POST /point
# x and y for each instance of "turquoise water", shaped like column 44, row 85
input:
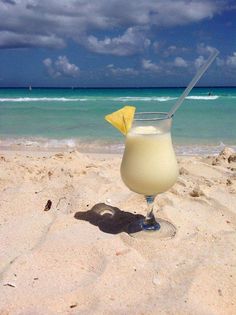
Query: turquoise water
column 75, row 117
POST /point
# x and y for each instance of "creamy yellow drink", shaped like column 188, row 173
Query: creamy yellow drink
column 149, row 164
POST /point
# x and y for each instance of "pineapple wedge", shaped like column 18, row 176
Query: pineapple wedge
column 122, row 119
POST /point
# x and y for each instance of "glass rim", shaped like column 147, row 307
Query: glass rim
column 162, row 116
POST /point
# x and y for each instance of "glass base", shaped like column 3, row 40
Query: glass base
column 160, row 229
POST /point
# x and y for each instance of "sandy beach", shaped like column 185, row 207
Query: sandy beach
column 62, row 251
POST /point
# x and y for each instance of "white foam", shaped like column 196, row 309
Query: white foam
column 202, row 150
column 209, row 97
column 100, row 146
column 145, row 98
column 145, row 130
column 164, row 98
column 38, row 142
column 57, row 143
column 42, row 99
column 117, row 99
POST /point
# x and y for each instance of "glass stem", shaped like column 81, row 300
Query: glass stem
column 150, row 219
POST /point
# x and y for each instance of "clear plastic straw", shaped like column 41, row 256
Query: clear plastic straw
column 198, row 75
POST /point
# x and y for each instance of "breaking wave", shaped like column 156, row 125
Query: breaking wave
column 209, row 97
column 42, row 99
column 144, row 98
column 116, row 99
column 98, row 146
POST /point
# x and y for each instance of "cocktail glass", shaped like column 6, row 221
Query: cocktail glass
column 149, row 167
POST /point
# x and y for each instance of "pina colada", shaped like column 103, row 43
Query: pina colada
column 149, row 165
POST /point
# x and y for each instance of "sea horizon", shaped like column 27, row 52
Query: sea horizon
column 115, row 87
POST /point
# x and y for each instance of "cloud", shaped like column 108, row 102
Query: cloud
column 227, row 62
column 205, row 49
column 61, row 67
column 132, row 41
column 164, row 13
column 150, row 66
column 43, row 23
column 12, row 2
column 173, row 50
column 180, row 62
column 156, row 46
column 13, row 40
column 50, row 68
column 180, row 12
column 122, row 71
column 199, row 61
column 231, row 60
column 220, row 62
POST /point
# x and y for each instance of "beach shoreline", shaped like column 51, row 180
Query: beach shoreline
column 99, row 147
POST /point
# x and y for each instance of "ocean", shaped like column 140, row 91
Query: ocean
column 74, row 118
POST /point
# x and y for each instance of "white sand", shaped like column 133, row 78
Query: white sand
column 52, row 263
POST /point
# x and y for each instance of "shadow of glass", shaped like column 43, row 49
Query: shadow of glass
column 108, row 219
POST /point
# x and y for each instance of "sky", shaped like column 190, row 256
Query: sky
column 116, row 43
